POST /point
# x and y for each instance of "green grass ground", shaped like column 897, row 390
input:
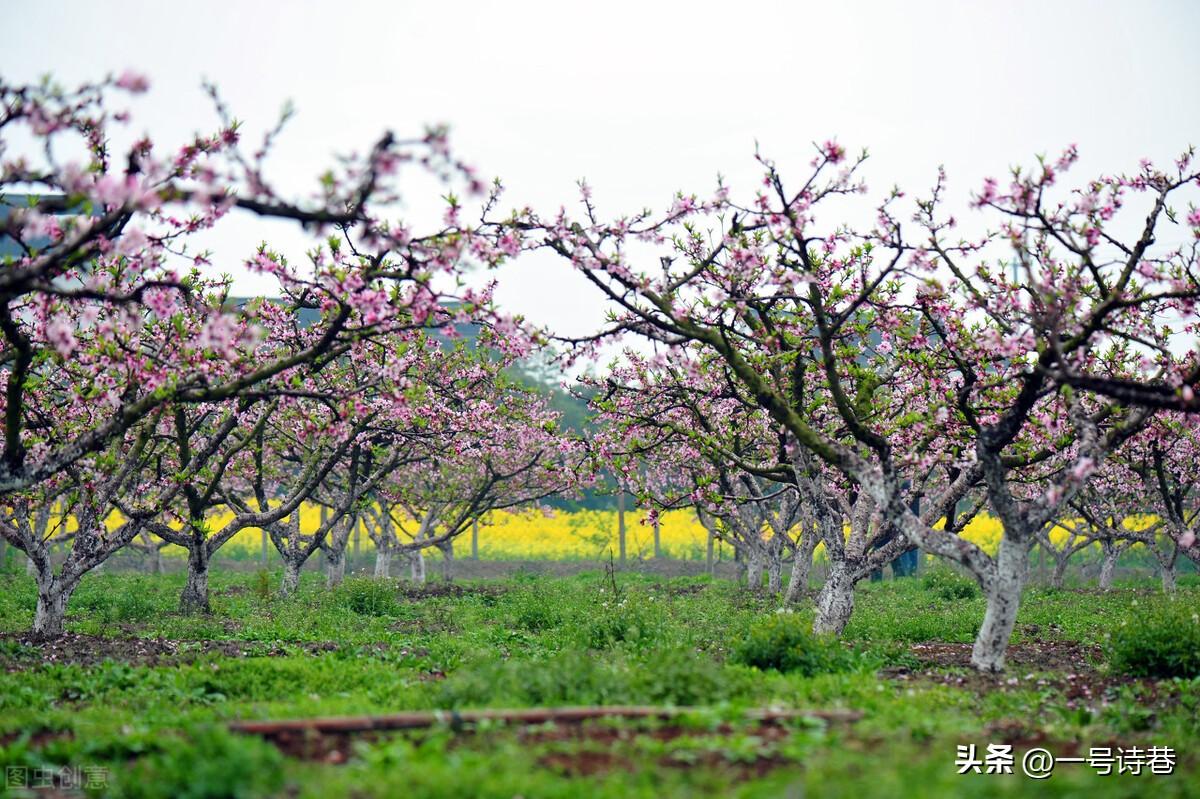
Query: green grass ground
column 145, row 694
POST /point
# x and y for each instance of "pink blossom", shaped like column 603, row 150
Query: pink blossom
column 133, row 82
column 833, row 151
column 60, row 333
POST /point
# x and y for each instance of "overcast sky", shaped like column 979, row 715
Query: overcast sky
column 644, row 98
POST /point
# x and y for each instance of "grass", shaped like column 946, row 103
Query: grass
column 154, row 714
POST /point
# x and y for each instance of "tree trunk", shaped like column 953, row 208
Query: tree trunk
column 335, row 570
column 30, row 569
column 1167, row 572
column 447, row 550
column 417, row 567
column 383, row 563
column 195, row 593
column 1003, row 602
column 835, row 601
column 1059, row 575
column 774, row 571
column 708, row 558
column 291, row 576
column 657, row 539
column 1108, row 565
column 754, row 569
column 801, row 568
column 53, row 595
column 474, row 539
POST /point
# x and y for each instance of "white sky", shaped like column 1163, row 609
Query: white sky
column 643, row 98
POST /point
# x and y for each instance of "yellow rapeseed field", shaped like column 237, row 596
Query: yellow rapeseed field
column 587, row 534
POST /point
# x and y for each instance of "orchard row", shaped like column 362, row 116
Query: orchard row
column 793, row 375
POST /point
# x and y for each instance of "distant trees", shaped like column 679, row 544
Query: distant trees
column 1010, row 366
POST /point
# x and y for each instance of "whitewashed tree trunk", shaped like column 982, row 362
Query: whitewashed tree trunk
column 383, row 563
column 801, row 569
column 53, row 595
column 835, row 601
column 291, row 576
column 417, row 567
column 1167, row 573
column 194, row 598
column 1108, row 564
column 335, row 568
column 774, row 556
column 1003, row 602
column 754, row 568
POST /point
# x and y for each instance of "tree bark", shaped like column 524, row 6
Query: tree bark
column 754, row 569
column 53, row 595
column 447, row 550
column 383, row 563
column 417, row 567
column 291, row 576
column 335, row 570
column 1059, row 575
column 156, row 563
column 194, row 598
column 835, row 601
column 1003, row 602
column 1167, row 573
column 801, row 569
column 774, row 571
column 1108, row 564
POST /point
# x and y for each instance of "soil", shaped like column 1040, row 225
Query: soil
column 1066, row 667
column 88, row 650
column 37, row 738
column 579, row 750
column 432, row 590
column 1036, row 655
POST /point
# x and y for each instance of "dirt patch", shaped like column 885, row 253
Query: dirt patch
column 1042, row 655
column 435, row 590
column 682, row 590
column 433, row 626
column 88, row 650
column 1066, row 667
column 573, row 749
column 584, row 763
column 37, row 738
